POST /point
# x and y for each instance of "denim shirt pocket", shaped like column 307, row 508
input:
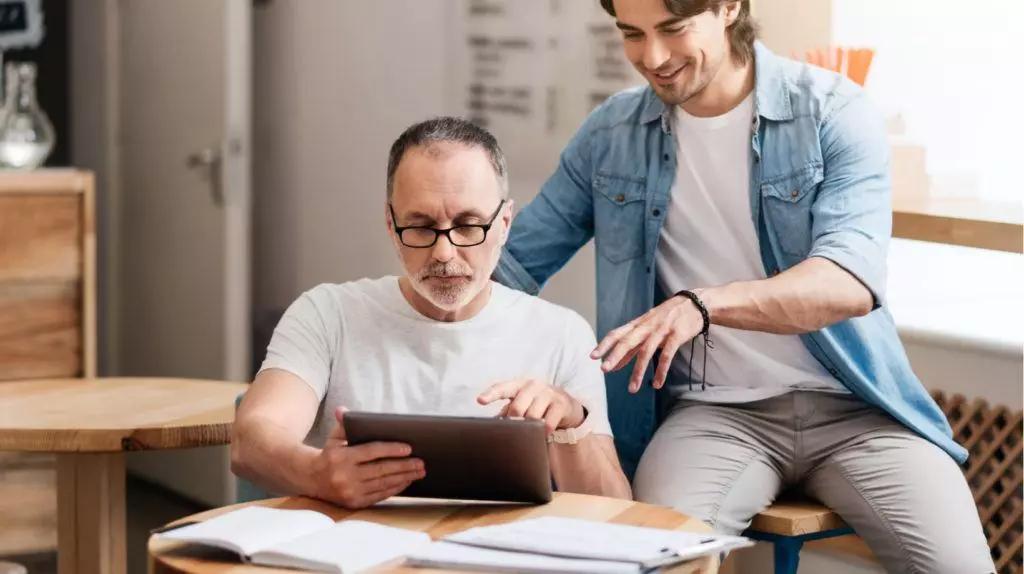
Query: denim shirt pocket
column 787, row 208
column 619, row 216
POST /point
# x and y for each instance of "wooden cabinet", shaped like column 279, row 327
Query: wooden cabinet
column 47, row 325
column 47, row 275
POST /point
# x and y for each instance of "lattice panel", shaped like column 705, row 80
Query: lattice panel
column 992, row 434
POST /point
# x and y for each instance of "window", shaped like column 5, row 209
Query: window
column 954, row 72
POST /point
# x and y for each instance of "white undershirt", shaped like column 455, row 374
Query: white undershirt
column 709, row 239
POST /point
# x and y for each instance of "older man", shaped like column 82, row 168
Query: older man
column 442, row 339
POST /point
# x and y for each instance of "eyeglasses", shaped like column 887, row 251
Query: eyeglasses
column 420, row 237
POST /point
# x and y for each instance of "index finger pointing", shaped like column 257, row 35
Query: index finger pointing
column 500, row 391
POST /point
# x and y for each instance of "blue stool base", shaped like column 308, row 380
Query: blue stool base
column 787, row 548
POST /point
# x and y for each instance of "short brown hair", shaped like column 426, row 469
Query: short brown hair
column 742, row 32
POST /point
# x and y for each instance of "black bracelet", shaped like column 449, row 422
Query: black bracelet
column 700, row 307
column 703, row 333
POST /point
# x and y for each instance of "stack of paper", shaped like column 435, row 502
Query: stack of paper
column 566, row 545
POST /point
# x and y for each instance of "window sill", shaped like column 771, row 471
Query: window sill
column 968, row 222
column 957, row 296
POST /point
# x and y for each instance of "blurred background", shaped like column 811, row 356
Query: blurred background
column 239, row 149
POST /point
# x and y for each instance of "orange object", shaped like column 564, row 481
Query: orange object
column 851, row 62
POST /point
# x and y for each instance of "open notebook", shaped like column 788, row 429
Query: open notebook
column 566, row 545
column 301, row 539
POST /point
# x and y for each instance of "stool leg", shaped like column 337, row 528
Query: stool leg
column 787, row 555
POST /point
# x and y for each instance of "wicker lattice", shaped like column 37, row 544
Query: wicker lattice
column 992, row 434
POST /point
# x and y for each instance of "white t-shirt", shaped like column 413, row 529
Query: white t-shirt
column 361, row 345
column 708, row 239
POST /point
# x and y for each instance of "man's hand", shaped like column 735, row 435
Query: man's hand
column 533, row 399
column 665, row 327
column 363, row 475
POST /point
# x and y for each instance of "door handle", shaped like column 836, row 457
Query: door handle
column 209, row 161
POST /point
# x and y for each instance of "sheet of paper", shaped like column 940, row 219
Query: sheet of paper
column 348, row 546
column 449, row 555
column 249, row 529
column 596, row 540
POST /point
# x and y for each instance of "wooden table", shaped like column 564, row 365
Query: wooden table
column 89, row 424
column 437, row 518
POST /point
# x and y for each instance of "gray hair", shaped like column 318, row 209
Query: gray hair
column 453, row 130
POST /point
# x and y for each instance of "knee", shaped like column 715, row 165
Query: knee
column 692, row 504
column 955, row 558
column 701, row 498
column 931, row 551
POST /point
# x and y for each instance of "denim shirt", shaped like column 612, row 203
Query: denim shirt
column 819, row 187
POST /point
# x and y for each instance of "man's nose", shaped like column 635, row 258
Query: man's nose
column 443, row 249
column 655, row 54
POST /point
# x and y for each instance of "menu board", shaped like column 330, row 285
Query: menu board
column 530, row 71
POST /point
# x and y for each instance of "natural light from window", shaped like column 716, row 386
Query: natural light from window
column 953, row 70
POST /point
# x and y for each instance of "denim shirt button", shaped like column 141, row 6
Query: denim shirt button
column 620, row 198
column 665, row 157
column 648, row 268
column 656, row 212
column 794, row 193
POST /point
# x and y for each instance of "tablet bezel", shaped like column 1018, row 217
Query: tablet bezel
column 466, row 458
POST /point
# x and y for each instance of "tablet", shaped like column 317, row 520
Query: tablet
column 466, row 458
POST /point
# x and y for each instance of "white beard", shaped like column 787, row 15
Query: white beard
column 451, row 298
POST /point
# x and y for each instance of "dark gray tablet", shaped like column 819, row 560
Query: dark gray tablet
column 465, row 458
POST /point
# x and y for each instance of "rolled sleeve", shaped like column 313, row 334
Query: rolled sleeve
column 852, row 214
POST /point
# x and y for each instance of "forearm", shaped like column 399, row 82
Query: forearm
column 264, row 453
column 809, row 296
column 589, row 467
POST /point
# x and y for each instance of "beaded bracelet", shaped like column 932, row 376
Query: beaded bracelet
column 703, row 333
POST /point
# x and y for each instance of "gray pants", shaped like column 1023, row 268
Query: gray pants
column 903, row 495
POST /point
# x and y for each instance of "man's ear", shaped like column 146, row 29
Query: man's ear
column 391, row 231
column 732, row 12
column 506, row 220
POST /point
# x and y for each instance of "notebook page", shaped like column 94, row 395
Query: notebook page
column 595, row 540
column 348, row 546
column 458, row 556
column 249, row 529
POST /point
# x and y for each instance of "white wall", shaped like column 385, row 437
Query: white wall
column 94, row 100
column 794, row 26
column 335, row 84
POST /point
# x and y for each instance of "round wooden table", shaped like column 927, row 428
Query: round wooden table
column 437, row 518
column 89, row 424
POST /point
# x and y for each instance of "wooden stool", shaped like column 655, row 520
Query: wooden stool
column 12, row 568
column 788, row 524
